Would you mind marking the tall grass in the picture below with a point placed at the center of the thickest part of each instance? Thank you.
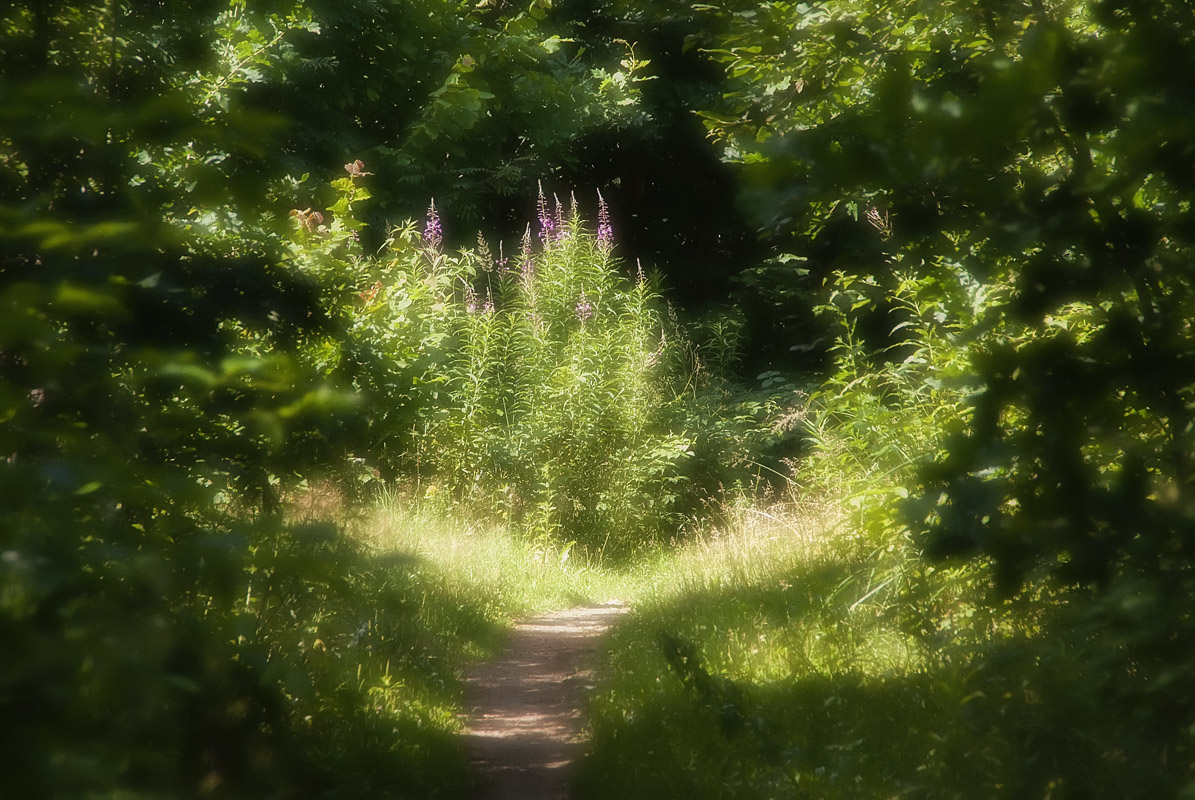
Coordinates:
(774, 660)
(693, 701)
(353, 633)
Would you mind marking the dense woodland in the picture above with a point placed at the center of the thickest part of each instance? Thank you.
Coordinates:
(851, 339)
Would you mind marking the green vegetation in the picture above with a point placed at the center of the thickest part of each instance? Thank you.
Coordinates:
(814, 648)
(902, 491)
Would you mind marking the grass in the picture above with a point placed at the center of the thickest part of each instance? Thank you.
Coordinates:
(695, 698)
(790, 656)
(699, 687)
(785, 653)
(353, 639)
(484, 565)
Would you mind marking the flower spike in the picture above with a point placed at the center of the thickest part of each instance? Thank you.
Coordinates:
(605, 233)
(584, 308)
(547, 223)
(433, 235)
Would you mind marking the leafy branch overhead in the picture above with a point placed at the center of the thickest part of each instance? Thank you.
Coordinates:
(1033, 151)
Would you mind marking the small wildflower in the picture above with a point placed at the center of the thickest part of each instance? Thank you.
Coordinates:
(488, 307)
(584, 308)
(433, 235)
(639, 271)
(471, 304)
(605, 232)
(547, 223)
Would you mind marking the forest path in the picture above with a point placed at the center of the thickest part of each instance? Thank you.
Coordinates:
(525, 726)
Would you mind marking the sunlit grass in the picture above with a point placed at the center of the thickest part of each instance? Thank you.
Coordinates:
(785, 651)
(749, 546)
(752, 590)
(370, 613)
(485, 563)
(792, 652)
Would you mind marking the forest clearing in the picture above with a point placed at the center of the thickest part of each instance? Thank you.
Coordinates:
(597, 399)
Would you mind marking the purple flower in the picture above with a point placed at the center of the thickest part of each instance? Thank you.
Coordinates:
(433, 236)
(559, 222)
(547, 224)
(584, 309)
(605, 233)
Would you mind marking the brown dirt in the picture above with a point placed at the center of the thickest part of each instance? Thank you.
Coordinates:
(526, 725)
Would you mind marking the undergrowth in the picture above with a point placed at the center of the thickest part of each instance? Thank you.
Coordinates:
(774, 659)
(814, 649)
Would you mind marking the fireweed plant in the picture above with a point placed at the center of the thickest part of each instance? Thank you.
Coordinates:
(549, 385)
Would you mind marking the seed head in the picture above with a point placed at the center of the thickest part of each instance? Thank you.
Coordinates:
(559, 222)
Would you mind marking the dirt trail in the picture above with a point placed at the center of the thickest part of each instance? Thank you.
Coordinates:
(525, 727)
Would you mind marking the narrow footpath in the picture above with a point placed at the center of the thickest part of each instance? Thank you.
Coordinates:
(525, 728)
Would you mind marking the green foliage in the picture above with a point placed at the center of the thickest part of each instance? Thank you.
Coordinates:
(880, 415)
(1027, 145)
(545, 382)
(470, 103)
(786, 657)
(156, 396)
(1028, 150)
(979, 209)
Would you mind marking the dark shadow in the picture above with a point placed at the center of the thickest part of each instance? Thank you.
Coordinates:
(307, 668)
